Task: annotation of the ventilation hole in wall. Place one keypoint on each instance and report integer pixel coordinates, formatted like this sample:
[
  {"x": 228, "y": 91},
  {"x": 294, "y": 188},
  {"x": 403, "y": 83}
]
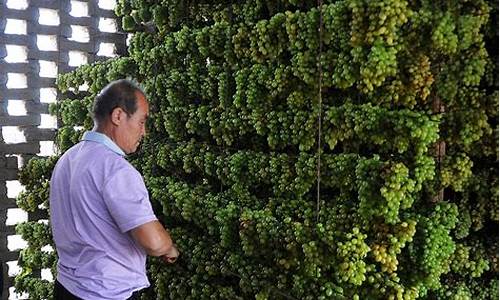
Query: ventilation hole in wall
[
  {"x": 47, "y": 121},
  {"x": 17, "y": 4},
  {"x": 83, "y": 87},
  {"x": 46, "y": 42},
  {"x": 17, "y": 81},
  {"x": 14, "y": 268},
  {"x": 77, "y": 58},
  {"x": 107, "y": 4},
  {"x": 46, "y": 148},
  {"x": 79, "y": 9},
  {"x": 47, "y": 248},
  {"x": 14, "y": 187},
  {"x": 15, "y": 26},
  {"x": 107, "y": 49},
  {"x": 16, "y": 54},
  {"x": 16, "y": 242},
  {"x": 13, "y": 135},
  {"x": 107, "y": 25},
  {"x": 48, "y": 95},
  {"x": 15, "y": 296},
  {"x": 16, "y": 216},
  {"x": 47, "y": 69},
  {"x": 79, "y": 34},
  {"x": 48, "y": 17},
  {"x": 129, "y": 38},
  {"x": 16, "y": 108},
  {"x": 47, "y": 275}
]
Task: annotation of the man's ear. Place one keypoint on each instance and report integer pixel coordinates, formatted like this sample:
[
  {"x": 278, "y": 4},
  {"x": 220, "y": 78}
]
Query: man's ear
[{"x": 117, "y": 116}]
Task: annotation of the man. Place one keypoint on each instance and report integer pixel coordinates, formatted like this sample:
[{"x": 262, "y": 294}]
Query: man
[{"x": 102, "y": 221}]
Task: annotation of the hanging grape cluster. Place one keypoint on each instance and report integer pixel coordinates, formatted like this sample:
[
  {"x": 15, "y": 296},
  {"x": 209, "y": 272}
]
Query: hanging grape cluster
[{"x": 409, "y": 112}]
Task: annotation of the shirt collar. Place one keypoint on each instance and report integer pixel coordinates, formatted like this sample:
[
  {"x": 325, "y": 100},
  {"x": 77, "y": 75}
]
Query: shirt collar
[{"x": 102, "y": 139}]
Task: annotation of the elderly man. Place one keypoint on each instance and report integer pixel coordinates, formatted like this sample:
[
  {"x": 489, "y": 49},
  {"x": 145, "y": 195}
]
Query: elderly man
[{"x": 102, "y": 220}]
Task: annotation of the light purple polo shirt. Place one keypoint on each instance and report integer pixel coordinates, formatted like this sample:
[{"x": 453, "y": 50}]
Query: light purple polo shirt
[{"x": 96, "y": 197}]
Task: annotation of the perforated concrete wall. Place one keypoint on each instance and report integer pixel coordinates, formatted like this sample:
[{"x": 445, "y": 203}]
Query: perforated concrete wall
[{"x": 38, "y": 40}]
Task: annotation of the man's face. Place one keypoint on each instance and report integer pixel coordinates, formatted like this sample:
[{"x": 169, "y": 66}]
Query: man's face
[{"x": 133, "y": 128}]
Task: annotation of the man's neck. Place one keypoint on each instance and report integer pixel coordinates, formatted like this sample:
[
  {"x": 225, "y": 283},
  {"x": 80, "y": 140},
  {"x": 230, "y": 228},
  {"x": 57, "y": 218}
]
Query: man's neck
[{"x": 106, "y": 130}]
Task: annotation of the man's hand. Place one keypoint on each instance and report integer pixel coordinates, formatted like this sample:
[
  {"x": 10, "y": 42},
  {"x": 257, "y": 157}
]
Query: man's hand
[{"x": 171, "y": 256}]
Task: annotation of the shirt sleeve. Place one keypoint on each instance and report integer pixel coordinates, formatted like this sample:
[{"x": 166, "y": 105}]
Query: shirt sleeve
[{"x": 127, "y": 200}]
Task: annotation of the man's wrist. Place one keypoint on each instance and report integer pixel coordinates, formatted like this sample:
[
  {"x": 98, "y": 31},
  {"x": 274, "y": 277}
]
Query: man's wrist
[{"x": 173, "y": 250}]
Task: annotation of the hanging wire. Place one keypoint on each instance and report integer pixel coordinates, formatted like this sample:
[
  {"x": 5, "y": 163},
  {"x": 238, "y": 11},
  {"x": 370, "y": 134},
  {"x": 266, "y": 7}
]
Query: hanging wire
[
  {"x": 320, "y": 104},
  {"x": 440, "y": 148},
  {"x": 230, "y": 13}
]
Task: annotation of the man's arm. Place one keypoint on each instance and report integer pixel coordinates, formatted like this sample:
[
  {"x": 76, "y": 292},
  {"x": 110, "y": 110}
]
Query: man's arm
[{"x": 155, "y": 240}]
